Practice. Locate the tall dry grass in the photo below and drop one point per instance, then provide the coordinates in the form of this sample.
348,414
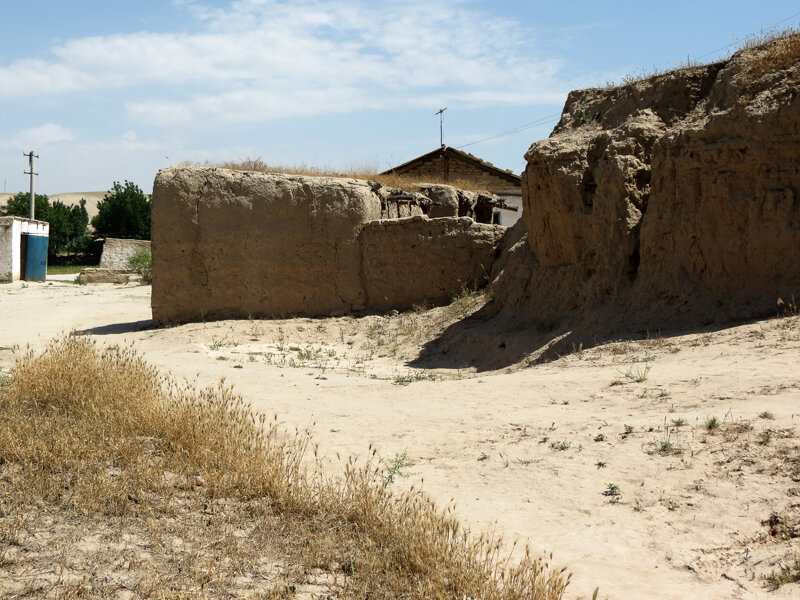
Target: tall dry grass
363,172
761,53
100,434
769,52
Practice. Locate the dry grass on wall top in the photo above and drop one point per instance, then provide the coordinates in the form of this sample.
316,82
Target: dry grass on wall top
199,497
763,53
770,52
365,173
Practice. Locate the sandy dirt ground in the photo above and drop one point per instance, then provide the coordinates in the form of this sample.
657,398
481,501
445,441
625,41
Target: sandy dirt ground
659,468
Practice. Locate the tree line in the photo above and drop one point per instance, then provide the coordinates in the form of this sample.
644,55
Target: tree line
124,212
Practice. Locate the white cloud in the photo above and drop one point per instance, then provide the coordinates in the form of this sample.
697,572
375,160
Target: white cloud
261,59
37,137
129,136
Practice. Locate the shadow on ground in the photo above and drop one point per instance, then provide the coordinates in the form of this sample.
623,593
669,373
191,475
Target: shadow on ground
493,339
117,328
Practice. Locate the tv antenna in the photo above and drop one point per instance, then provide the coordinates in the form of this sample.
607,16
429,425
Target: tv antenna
441,131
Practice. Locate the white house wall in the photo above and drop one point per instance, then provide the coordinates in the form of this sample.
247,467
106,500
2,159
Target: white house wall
11,230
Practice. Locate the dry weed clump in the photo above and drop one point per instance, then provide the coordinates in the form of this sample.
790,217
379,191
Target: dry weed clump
770,52
188,492
366,173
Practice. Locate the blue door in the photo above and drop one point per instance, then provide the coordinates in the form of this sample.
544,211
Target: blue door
36,258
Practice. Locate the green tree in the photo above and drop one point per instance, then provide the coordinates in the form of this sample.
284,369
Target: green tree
68,227
19,206
68,224
124,212
79,228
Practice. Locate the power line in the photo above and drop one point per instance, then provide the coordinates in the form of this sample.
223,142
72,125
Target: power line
539,123
770,28
544,120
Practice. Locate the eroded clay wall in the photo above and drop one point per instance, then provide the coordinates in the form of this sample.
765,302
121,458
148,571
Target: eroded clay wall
232,244
117,252
668,202
419,260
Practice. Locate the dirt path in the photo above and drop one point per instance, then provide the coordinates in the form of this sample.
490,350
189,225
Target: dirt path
609,457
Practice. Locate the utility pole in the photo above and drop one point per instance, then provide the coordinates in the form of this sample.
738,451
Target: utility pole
441,131
32,173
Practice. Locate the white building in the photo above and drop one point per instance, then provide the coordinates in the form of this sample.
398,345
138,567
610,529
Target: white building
15,234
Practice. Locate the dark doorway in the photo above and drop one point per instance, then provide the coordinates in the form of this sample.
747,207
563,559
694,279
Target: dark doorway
23,255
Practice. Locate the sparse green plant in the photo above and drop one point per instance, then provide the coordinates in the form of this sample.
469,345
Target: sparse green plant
678,422
637,373
396,467
600,464
413,376
766,415
613,493
666,447
141,263
628,430
765,437
600,437
583,117
78,280
544,439
561,446
712,424
483,457
786,574
466,301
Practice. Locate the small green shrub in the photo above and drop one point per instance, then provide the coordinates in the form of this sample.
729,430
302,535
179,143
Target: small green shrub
141,263
788,574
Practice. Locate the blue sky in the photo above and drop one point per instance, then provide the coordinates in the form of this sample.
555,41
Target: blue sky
107,91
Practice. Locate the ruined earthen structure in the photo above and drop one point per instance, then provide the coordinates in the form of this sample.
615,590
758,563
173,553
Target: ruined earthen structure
668,202
236,244
117,252
410,261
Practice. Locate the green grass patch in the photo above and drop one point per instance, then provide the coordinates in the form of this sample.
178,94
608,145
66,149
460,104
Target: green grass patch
66,269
